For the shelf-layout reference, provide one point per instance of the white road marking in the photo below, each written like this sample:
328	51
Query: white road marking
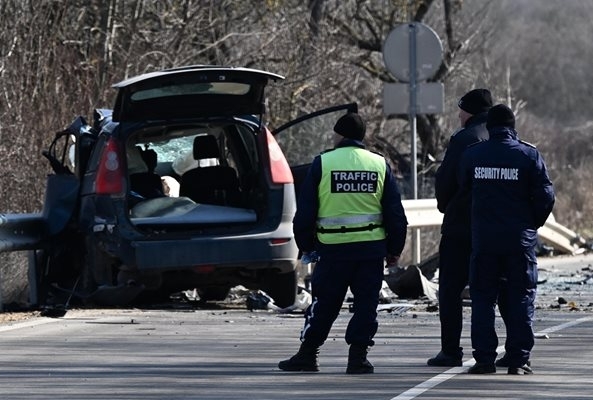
26	324
450	373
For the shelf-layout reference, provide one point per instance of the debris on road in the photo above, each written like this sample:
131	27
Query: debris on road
410	283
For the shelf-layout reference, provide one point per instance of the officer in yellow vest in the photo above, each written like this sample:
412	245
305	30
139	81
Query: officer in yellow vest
349	212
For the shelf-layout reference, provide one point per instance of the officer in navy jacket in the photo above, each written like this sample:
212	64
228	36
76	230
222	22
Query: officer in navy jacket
455	244
512	196
349	212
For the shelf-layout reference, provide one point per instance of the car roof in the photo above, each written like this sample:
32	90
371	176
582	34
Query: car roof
192	91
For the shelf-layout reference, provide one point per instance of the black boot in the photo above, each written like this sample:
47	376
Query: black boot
357	360
304	360
482	368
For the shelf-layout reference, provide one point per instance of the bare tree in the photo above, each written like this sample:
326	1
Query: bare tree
59	60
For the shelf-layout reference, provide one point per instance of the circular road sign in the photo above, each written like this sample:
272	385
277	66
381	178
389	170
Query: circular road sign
396	51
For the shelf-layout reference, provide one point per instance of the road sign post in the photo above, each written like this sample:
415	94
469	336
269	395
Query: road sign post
412	116
413	53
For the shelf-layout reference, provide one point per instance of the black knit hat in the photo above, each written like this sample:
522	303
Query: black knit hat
476	101
500	115
351	126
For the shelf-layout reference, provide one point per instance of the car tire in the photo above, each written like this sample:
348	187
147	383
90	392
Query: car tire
282	288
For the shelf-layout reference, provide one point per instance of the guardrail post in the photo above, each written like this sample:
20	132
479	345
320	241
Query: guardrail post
1	302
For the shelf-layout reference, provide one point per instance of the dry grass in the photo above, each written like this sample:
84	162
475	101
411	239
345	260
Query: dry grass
13	279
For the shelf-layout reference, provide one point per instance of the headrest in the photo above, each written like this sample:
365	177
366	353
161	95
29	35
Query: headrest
150	158
205	146
135	162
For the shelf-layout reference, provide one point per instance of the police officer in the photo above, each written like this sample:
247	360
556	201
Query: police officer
455	245
350	212
512	196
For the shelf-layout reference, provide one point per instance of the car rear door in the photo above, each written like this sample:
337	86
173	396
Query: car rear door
192	92
307	136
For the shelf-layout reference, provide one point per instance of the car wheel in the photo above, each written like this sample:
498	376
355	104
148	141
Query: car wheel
213	293
282	288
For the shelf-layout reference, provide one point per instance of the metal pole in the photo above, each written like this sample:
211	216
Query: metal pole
1	300
412	116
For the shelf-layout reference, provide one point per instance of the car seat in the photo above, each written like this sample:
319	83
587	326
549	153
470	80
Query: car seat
147	183
213	184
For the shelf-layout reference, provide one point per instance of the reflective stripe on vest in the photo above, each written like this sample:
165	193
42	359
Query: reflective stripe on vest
350	194
355	219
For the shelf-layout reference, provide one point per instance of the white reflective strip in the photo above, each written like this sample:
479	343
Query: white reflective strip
355	219
307	324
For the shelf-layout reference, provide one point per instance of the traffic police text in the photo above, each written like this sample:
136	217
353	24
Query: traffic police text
354	181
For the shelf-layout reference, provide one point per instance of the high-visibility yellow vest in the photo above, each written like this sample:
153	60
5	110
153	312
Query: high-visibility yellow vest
350	194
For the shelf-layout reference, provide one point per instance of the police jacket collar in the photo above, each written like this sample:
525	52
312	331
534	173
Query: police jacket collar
350	143
476	119
502	132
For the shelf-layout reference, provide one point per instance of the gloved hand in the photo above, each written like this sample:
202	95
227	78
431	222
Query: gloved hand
392	265
309	257
391	261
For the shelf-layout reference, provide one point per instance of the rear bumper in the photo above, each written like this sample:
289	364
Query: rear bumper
252	252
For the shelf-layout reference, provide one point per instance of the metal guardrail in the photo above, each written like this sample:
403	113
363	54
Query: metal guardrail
22	231
28	231
424	213
562	238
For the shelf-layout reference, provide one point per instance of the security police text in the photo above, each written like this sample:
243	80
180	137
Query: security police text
507	174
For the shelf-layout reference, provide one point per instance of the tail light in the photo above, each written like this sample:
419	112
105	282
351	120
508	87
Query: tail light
278	165
110	176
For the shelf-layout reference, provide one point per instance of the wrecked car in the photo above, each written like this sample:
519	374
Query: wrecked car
180	185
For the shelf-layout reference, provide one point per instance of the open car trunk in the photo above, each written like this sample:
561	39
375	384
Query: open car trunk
176	211
203	175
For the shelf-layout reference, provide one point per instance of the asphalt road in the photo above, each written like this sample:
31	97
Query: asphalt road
232	353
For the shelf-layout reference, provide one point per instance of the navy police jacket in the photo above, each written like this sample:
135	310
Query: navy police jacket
450	200
512	195
305	219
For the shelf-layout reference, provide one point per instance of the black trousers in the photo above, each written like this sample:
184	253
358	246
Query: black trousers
329	284
454	259
510	279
